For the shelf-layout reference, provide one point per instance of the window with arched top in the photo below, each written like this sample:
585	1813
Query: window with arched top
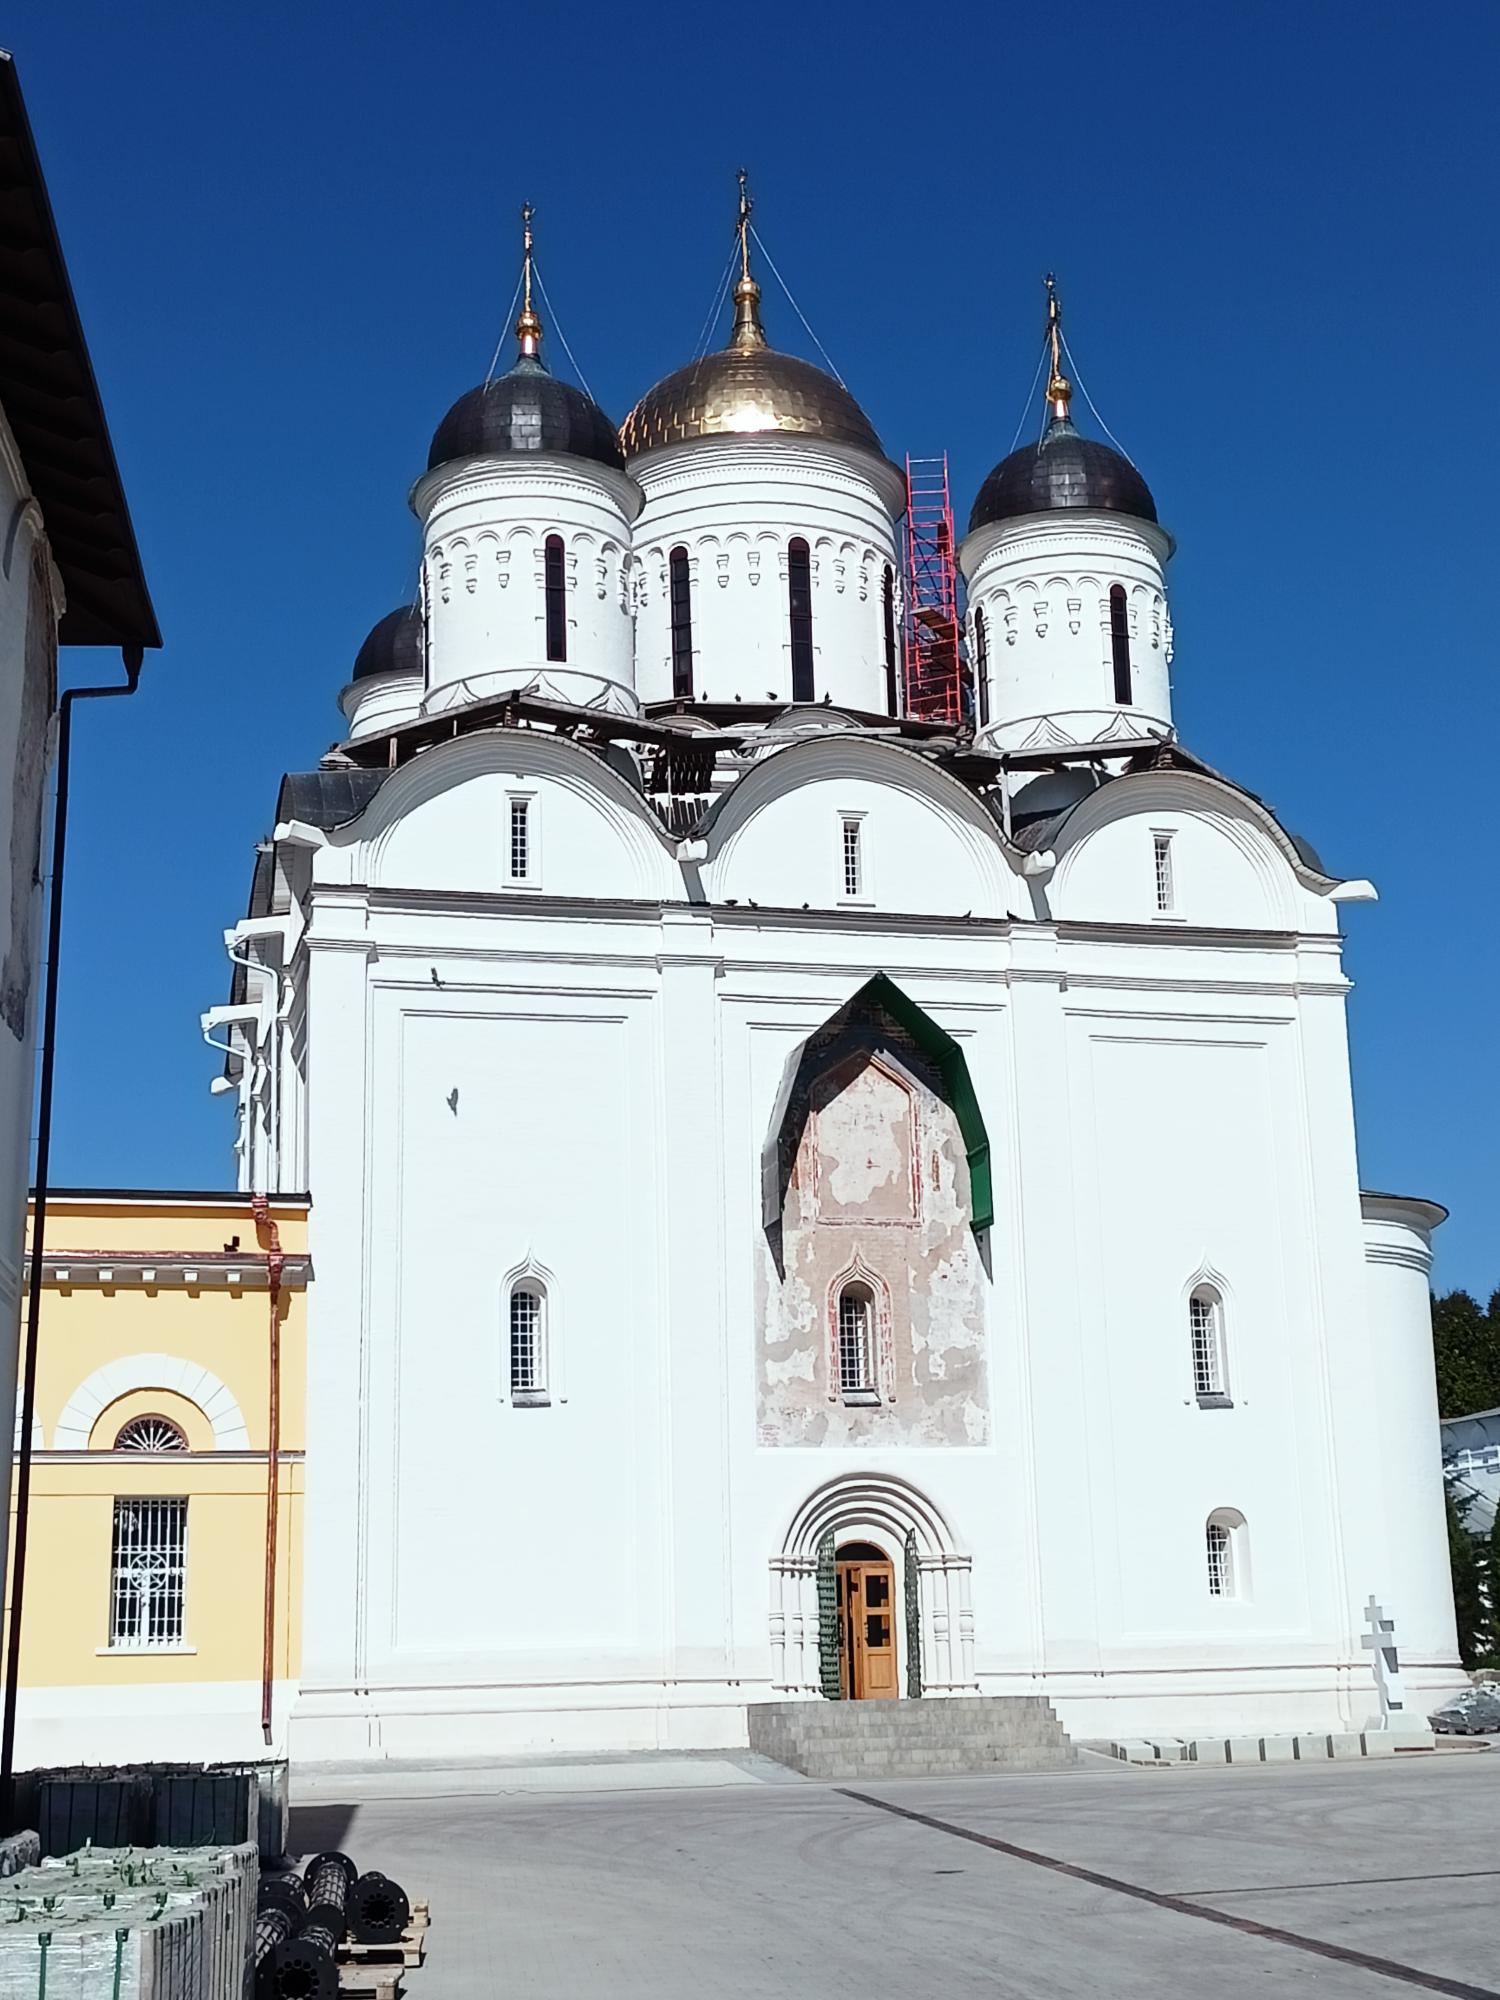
888	625
1206	1338
799	609
528	1343
982	664
1227	1553
151	1433
555	595
856	1342
1119	644
680	600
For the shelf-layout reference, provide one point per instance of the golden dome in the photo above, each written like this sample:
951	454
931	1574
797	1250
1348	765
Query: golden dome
746	388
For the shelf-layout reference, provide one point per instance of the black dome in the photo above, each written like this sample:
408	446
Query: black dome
526	410
393	647
1065	470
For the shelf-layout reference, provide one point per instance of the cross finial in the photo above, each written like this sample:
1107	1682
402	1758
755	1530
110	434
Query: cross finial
528	326
1059	388
748	331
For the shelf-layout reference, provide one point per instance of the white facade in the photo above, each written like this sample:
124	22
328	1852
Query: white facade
30	604
486	524
613	1054
1042	586
735	505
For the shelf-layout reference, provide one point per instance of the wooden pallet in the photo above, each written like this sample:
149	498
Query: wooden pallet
362	1963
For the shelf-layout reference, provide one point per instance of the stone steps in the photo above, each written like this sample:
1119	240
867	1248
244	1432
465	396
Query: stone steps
935	1737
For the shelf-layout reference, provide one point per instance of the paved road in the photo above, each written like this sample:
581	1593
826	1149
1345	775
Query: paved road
747	1890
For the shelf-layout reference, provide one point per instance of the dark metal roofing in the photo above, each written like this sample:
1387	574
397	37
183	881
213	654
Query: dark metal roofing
52	403
1066	470
328	798
394	646
526	410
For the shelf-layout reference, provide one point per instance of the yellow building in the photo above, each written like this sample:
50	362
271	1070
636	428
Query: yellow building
145	1622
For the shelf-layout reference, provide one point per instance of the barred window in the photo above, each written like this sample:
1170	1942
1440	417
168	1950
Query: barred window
1220	1560
520	839
1119	644
556	598
1166	895
856	1340
528	1360
1206	1328
853	859
799	605
148	1574
151	1434
680	591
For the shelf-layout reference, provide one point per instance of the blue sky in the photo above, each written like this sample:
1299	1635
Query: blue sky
292	233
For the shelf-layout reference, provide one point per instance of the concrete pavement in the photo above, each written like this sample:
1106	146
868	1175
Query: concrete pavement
748	1890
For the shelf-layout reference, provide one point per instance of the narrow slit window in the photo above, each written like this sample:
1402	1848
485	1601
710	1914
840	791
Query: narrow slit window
888	619
856	1340
981	665
853	857
1119	644
1206	1328
681	595
148	1575
1220	1549
520	840
799	605
528	1372
556	593
1161	849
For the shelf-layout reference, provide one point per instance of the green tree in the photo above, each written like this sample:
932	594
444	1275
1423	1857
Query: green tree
1466	1558
1466	1348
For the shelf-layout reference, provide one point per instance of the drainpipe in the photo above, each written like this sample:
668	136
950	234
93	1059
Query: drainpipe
132	657
265	1224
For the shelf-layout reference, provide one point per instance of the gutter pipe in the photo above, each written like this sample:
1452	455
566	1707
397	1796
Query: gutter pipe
132	658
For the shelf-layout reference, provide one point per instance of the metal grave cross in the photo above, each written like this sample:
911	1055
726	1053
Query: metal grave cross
1380	1641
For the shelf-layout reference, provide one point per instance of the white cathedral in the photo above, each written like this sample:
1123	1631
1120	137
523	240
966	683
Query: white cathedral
807	1199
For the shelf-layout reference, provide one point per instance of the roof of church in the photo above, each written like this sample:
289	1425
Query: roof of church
527	409
393	646
747	388
1063	470
52	404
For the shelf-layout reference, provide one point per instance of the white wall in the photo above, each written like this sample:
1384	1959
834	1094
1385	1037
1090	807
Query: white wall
735	503
30	604
580	1080
485	527
1043	584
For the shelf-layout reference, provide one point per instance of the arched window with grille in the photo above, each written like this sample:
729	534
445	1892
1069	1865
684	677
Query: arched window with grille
1119	644
555	592
799	608
1206	1338
528	1343
680	593
888	623
856	1343
151	1433
1227	1553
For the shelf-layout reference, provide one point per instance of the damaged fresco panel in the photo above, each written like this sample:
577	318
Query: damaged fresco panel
876	1208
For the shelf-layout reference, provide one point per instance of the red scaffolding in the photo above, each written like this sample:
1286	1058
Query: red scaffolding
932	668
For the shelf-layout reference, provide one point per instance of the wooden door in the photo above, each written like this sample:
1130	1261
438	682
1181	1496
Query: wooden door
867	1625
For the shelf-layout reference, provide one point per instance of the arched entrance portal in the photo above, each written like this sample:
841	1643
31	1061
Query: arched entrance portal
931	1614
867	1623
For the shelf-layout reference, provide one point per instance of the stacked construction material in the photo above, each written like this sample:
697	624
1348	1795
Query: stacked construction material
303	1923
130	1924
